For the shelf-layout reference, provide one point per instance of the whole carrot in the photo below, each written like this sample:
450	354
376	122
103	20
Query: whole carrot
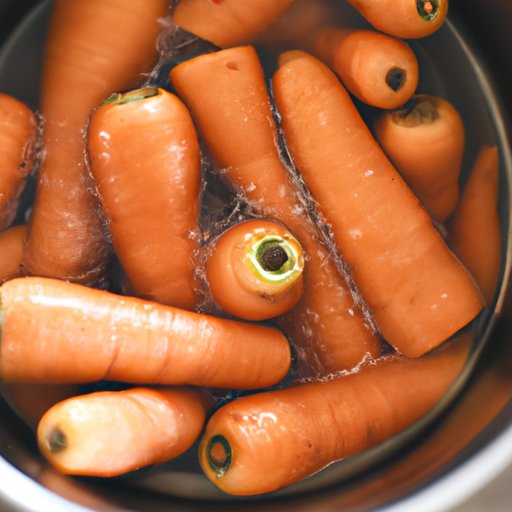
418	291
108	433
227	22
55	331
474	233
144	160
254	269
18	140
263	442
12	241
94	47
234	115
376	68
409	19
425	140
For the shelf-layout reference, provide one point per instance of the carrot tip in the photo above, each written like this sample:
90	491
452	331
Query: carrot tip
56	440
396	78
218	454
427	9
419	110
120	98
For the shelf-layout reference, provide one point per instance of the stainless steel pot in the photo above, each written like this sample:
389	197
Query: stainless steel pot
456	450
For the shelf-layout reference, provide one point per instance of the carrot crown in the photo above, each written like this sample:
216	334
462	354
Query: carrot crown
419	110
428	9
218	455
120	98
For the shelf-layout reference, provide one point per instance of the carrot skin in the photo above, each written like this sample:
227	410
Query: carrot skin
474	232
229	22
12	242
417	290
276	438
94	47
145	163
55	331
113	432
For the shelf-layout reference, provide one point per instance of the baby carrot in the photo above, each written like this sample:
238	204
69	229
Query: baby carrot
254	269
266	441
94	47
425	141
234	115
227	22
474	233
11	252
108	433
144	160
376	68
418	291
55	331
18	138
409	19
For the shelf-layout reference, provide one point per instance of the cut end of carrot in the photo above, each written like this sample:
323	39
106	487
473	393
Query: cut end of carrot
428	9
419	110
218	455
120	98
56	441
395	78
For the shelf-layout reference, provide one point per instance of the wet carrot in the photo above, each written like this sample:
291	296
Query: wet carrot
474	233
55	331
425	141
266	441
409	19
418	291
234	115
254	269
94	47
227	22
376	68
108	433
18	140
11	252
144	160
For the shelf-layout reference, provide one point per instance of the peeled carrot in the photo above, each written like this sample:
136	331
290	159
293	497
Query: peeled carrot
425	141
474	233
18	139
11	252
112	432
227	22
55	331
94	47
378	69
266	441
418	291
409	19
145	162
234	115
254	269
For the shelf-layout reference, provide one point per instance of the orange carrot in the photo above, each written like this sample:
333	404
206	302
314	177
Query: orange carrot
409	19
474	233
227	22
234	115
112	432
94	47
145	162
263	442
11	252
378	69
18	139
55	331
425	141
254	270
418	291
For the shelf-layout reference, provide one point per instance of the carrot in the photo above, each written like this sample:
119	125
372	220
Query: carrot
266	441
227	22
378	69
144	160
55	331
18	140
11	252
409	19
474	232
234	115
417	290
425	140
112	432
94	47
254	270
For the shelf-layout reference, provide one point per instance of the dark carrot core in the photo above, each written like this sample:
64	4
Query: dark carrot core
396	78
56	441
427	9
218	454
120	98
271	257
417	111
